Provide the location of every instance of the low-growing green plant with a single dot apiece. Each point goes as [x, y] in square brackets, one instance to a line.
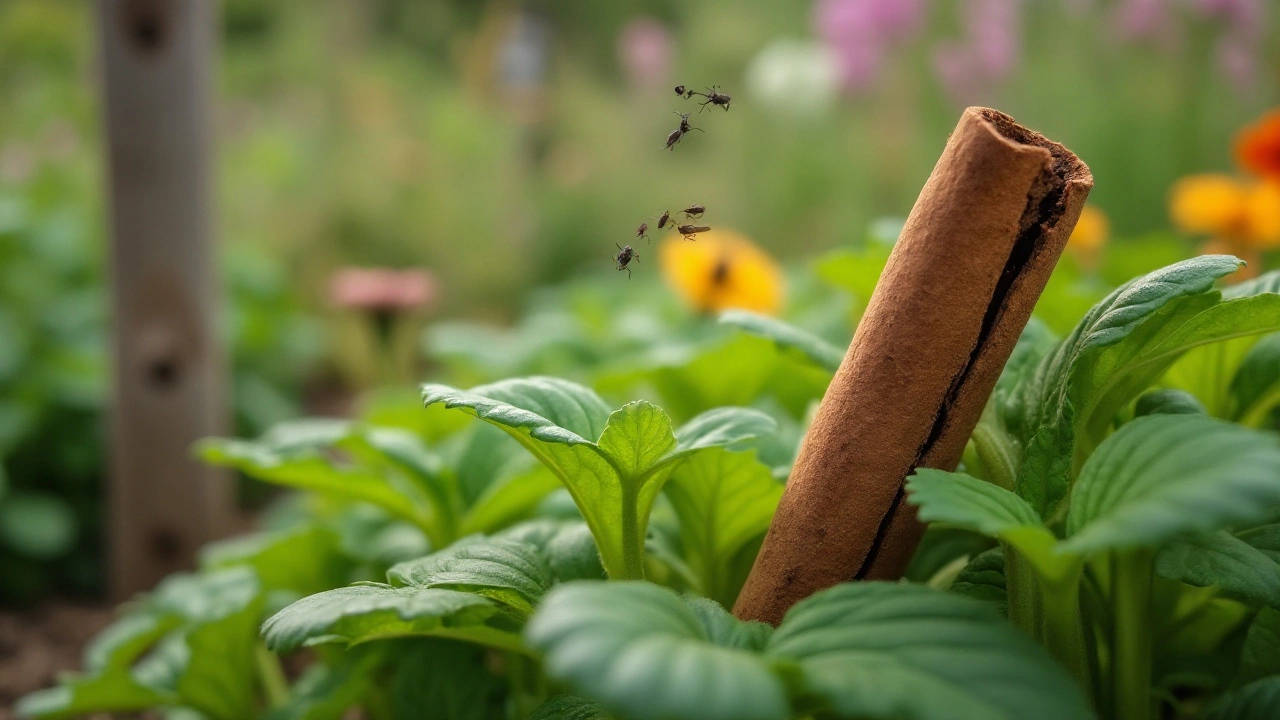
[522, 549]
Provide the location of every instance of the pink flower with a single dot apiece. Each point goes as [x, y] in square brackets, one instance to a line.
[1238, 61]
[644, 49]
[995, 35]
[380, 289]
[1142, 18]
[860, 32]
[1238, 12]
[987, 51]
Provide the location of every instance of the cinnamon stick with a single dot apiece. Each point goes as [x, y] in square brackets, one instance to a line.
[972, 259]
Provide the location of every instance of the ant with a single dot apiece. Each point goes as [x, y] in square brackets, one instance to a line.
[624, 256]
[694, 211]
[682, 92]
[673, 138]
[664, 218]
[714, 97]
[688, 231]
[679, 132]
[641, 232]
[684, 123]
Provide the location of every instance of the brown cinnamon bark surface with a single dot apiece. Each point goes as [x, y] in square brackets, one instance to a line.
[972, 259]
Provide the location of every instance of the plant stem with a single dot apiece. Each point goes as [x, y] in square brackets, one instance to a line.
[275, 687]
[1061, 630]
[1048, 609]
[632, 539]
[1131, 642]
[993, 451]
[1023, 592]
[516, 677]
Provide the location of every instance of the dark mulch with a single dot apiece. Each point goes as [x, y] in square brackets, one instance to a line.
[38, 644]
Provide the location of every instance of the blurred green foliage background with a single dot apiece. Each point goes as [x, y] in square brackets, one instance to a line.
[506, 146]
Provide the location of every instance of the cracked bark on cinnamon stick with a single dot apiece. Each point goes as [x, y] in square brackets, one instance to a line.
[972, 259]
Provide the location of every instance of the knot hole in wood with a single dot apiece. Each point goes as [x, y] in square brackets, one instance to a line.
[147, 24]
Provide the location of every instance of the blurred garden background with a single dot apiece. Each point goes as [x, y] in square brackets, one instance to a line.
[499, 150]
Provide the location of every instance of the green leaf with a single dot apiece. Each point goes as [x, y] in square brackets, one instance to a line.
[1123, 344]
[860, 650]
[108, 685]
[569, 707]
[508, 500]
[1163, 476]
[1259, 700]
[637, 437]
[1260, 656]
[304, 560]
[361, 613]
[645, 655]
[1265, 538]
[209, 662]
[125, 640]
[513, 573]
[326, 690]
[549, 409]
[112, 692]
[725, 426]
[1255, 389]
[447, 680]
[1222, 560]
[219, 678]
[723, 501]
[878, 650]
[1168, 402]
[692, 379]
[1264, 283]
[190, 644]
[723, 629]
[394, 451]
[964, 501]
[788, 337]
[983, 579]
[308, 470]
[484, 457]
[568, 546]
[37, 525]
[940, 547]
[613, 481]
[854, 270]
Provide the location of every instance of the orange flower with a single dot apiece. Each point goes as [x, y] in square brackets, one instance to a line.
[1258, 146]
[1238, 212]
[722, 270]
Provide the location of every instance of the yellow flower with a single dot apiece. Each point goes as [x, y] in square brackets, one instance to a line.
[1090, 234]
[1092, 231]
[1264, 214]
[1237, 212]
[722, 270]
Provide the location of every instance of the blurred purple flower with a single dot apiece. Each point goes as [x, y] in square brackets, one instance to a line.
[995, 34]
[953, 64]
[1238, 12]
[1141, 18]
[645, 50]
[1238, 61]
[1240, 44]
[860, 32]
[987, 51]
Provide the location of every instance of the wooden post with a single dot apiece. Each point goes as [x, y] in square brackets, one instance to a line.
[168, 385]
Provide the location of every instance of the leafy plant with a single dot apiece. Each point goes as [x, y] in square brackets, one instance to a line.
[615, 477]
[526, 549]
